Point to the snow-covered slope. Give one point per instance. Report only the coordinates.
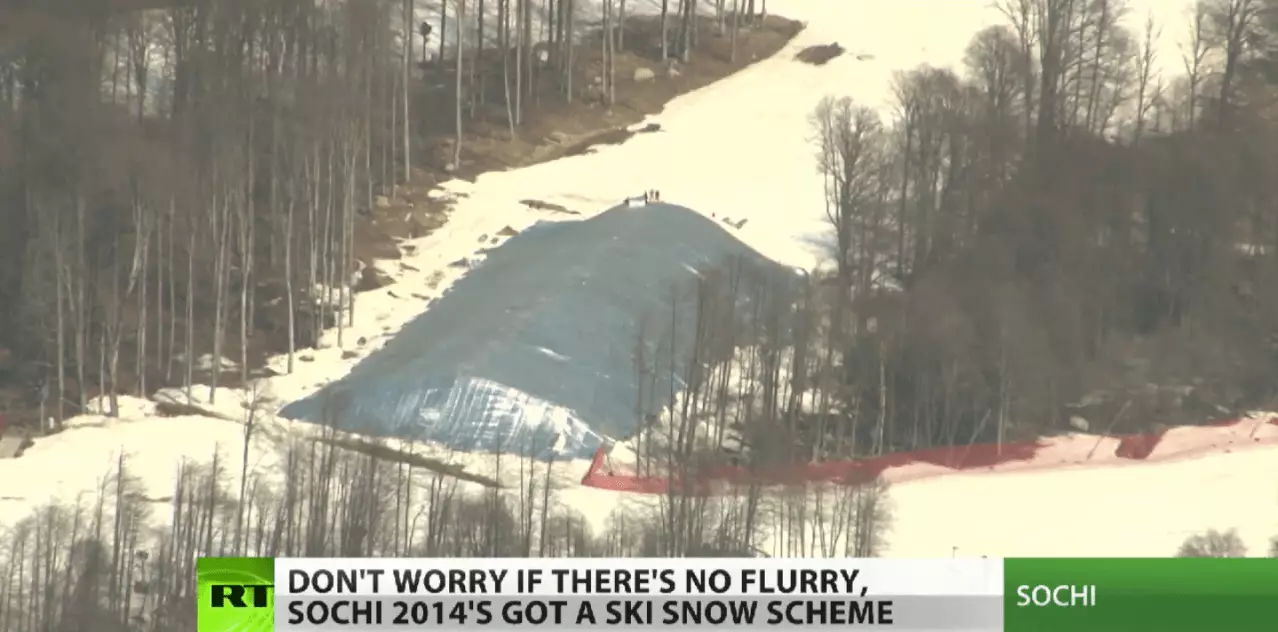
(738, 148)
(1144, 510)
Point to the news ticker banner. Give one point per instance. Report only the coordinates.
(986, 595)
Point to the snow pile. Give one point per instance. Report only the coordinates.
(535, 351)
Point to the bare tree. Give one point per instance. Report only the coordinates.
(608, 72)
(457, 144)
(406, 82)
(1233, 26)
(1148, 80)
(1213, 544)
(1020, 14)
(1053, 26)
(850, 153)
(1194, 56)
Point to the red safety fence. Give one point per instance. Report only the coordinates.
(1064, 451)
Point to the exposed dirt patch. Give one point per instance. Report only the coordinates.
(615, 136)
(179, 409)
(538, 205)
(821, 54)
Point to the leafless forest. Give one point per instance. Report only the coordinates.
(181, 180)
(1055, 235)
(1213, 543)
(1059, 235)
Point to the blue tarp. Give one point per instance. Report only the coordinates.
(537, 350)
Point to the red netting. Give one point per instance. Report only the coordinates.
(944, 460)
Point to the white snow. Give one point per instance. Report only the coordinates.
(1143, 509)
(553, 354)
(740, 147)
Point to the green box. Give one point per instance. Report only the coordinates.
(236, 594)
(1136, 594)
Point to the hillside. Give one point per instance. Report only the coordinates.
(1053, 260)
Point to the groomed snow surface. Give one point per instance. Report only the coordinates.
(738, 148)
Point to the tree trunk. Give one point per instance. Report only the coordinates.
(62, 274)
(189, 352)
(81, 300)
(665, 22)
(477, 64)
(570, 63)
(406, 76)
(443, 30)
(621, 26)
(736, 28)
(605, 42)
(291, 309)
(519, 61)
(503, 38)
(457, 146)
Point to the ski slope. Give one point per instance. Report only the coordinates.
(1144, 510)
(738, 148)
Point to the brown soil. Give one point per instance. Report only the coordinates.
(553, 127)
(820, 55)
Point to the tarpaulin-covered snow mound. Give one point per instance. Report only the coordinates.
(534, 352)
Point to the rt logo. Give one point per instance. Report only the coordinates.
(238, 596)
(235, 594)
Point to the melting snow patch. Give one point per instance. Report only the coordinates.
(205, 363)
(557, 356)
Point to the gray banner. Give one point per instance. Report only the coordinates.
(907, 613)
